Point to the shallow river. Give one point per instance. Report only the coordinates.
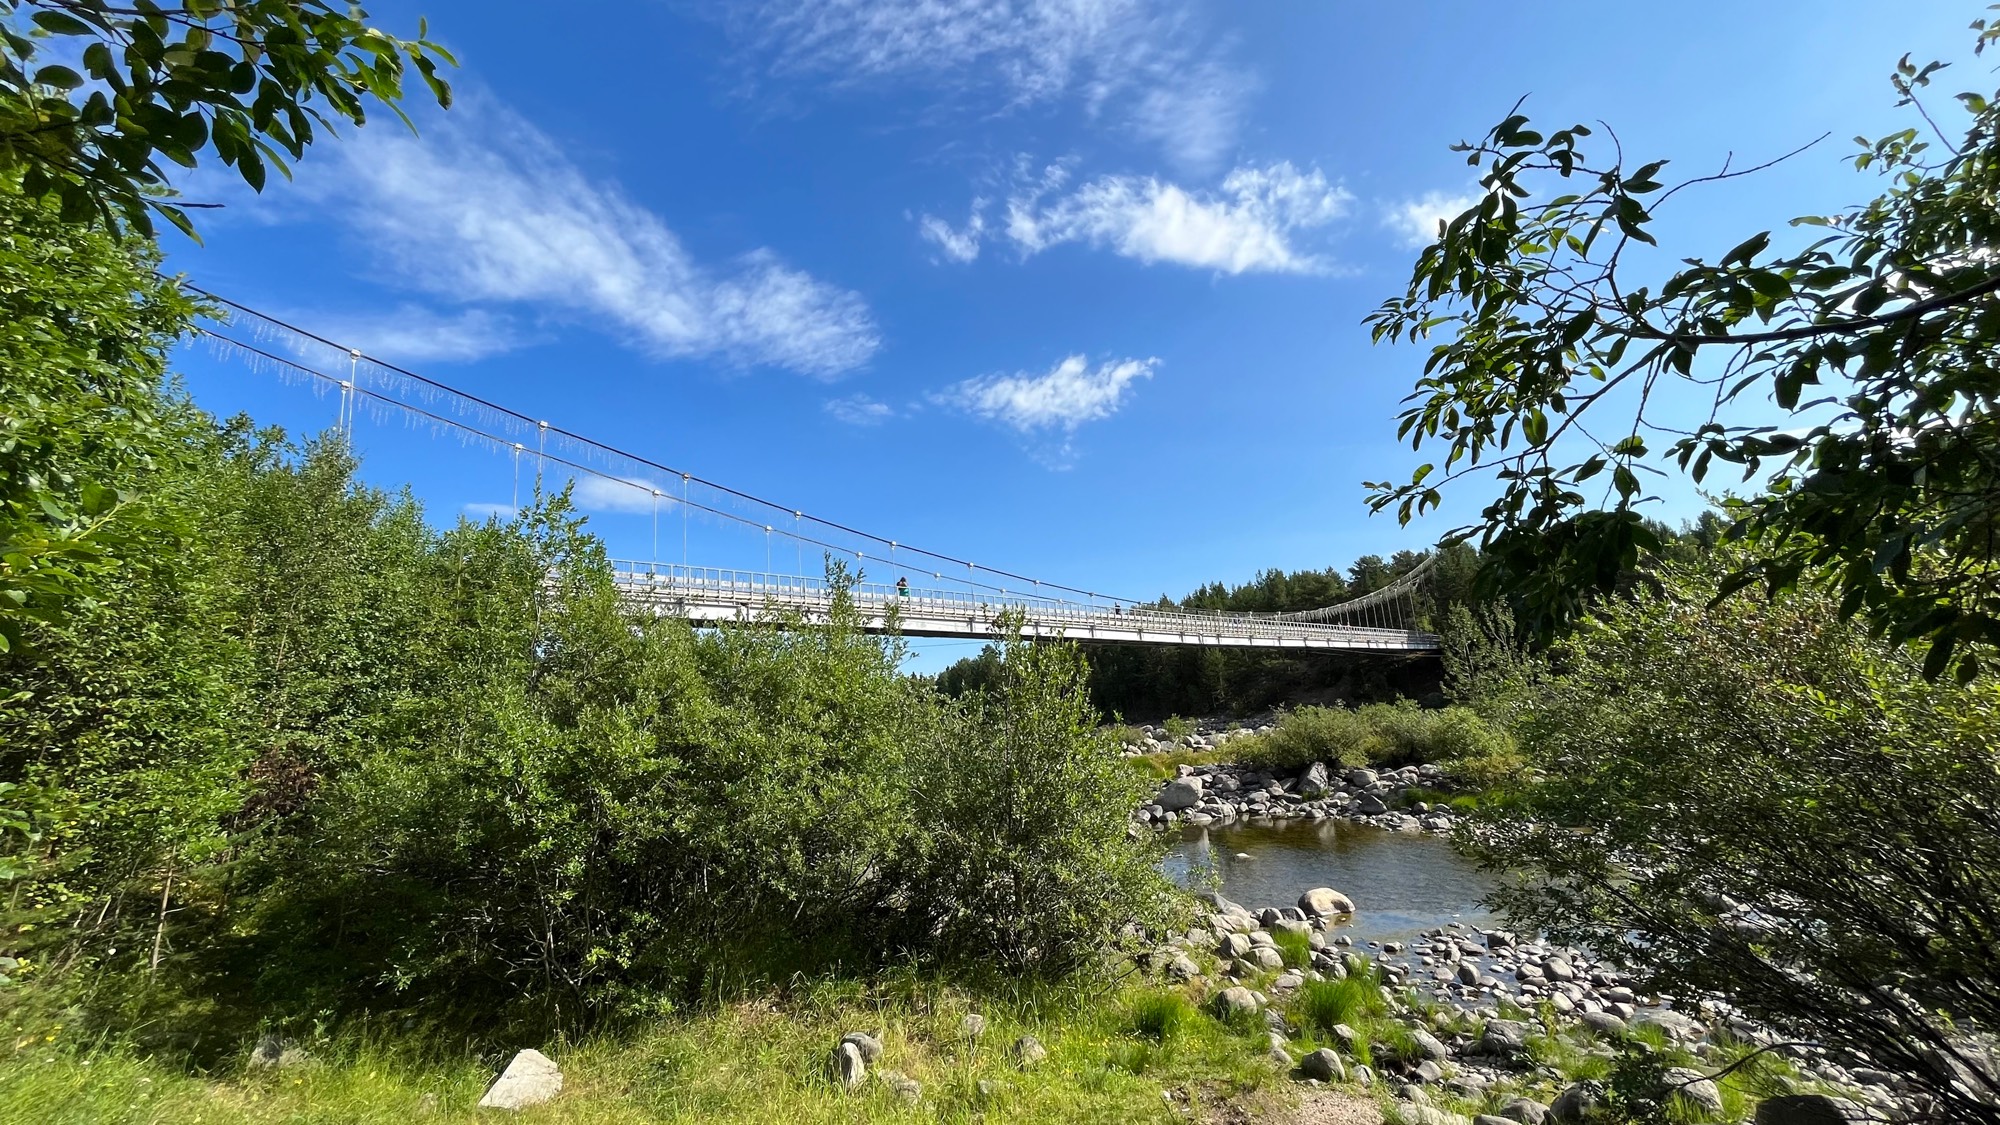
(1401, 883)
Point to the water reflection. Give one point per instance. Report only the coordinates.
(1402, 883)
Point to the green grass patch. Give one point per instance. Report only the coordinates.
(1354, 1000)
(1165, 766)
(1110, 1055)
(1296, 949)
(1161, 1015)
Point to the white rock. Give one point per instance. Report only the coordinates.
(530, 1079)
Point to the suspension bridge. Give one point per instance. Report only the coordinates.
(713, 596)
(933, 595)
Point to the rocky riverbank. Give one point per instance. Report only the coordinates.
(1486, 1016)
(1202, 795)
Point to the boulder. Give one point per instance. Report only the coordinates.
(1583, 1102)
(1183, 793)
(1527, 1111)
(1313, 781)
(1231, 1003)
(1693, 1088)
(1603, 1023)
(1361, 778)
(531, 1078)
(846, 1066)
(1325, 902)
(1234, 945)
(1324, 1065)
(1504, 1038)
(972, 1026)
(1429, 1047)
(1676, 1025)
(1428, 1072)
(870, 1046)
(1266, 957)
(1810, 1109)
(1028, 1050)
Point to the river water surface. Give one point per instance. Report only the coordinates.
(1402, 883)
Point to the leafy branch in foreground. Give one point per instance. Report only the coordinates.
(1881, 481)
(249, 80)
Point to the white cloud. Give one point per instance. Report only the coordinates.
(1417, 219)
(1249, 225)
(491, 511)
(413, 334)
(1144, 66)
(630, 495)
(960, 244)
(484, 209)
(1064, 397)
(860, 410)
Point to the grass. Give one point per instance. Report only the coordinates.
(1110, 1055)
(1161, 1015)
(1356, 999)
(1296, 949)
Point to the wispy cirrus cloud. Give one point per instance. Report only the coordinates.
(960, 244)
(1417, 220)
(486, 210)
(627, 495)
(414, 334)
(1251, 223)
(859, 410)
(1151, 68)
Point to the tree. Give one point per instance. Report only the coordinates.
(1750, 799)
(249, 81)
(1563, 361)
(88, 323)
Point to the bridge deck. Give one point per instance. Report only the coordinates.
(709, 595)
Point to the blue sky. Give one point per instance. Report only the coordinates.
(1071, 287)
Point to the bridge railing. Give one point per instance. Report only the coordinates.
(755, 589)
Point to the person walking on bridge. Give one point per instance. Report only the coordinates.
(903, 586)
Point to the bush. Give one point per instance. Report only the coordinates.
(1762, 802)
(1388, 735)
(1308, 735)
(1021, 855)
(335, 761)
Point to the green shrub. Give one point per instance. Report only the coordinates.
(1177, 728)
(1389, 735)
(1772, 805)
(1161, 1015)
(1308, 735)
(1020, 855)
